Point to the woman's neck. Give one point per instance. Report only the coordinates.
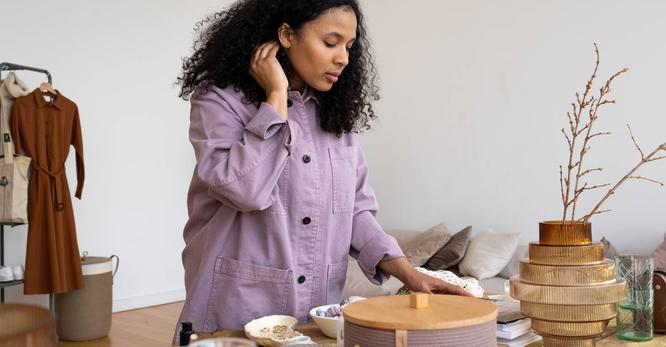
(296, 83)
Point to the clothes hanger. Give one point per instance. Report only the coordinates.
(46, 87)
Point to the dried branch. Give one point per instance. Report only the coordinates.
(592, 117)
(647, 179)
(566, 137)
(562, 186)
(574, 124)
(586, 218)
(590, 170)
(635, 143)
(595, 187)
(600, 134)
(611, 191)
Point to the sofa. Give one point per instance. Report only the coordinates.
(420, 247)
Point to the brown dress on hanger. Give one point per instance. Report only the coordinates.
(44, 130)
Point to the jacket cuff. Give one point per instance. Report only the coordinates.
(292, 136)
(382, 247)
(266, 122)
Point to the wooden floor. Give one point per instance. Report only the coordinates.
(152, 326)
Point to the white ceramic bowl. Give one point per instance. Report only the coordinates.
(260, 330)
(327, 325)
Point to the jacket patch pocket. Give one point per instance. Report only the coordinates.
(335, 281)
(343, 169)
(243, 291)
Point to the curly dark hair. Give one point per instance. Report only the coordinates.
(227, 39)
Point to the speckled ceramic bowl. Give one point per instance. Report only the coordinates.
(274, 330)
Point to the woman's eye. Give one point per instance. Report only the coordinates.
(328, 44)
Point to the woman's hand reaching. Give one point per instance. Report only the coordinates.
(427, 284)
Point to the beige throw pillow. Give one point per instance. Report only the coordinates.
(488, 254)
(420, 249)
(452, 252)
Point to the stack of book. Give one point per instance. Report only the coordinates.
(513, 328)
(516, 334)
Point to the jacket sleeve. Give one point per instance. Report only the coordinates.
(240, 163)
(369, 244)
(77, 142)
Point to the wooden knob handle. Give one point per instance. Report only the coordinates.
(418, 300)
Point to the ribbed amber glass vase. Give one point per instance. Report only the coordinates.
(566, 286)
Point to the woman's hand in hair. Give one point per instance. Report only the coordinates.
(267, 71)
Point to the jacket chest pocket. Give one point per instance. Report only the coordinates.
(343, 169)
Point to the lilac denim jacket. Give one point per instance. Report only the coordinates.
(274, 209)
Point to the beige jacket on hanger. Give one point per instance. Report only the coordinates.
(10, 88)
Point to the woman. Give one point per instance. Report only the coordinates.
(280, 194)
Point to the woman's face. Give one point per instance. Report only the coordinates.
(320, 50)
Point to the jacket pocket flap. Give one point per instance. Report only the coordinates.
(248, 271)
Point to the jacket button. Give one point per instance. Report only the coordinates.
(306, 159)
(289, 102)
(307, 220)
(301, 279)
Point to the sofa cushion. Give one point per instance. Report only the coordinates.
(452, 253)
(421, 248)
(488, 254)
(610, 251)
(493, 285)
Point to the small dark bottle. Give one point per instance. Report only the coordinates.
(185, 333)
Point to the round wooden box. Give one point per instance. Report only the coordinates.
(420, 320)
(23, 325)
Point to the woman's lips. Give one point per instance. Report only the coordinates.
(331, 77)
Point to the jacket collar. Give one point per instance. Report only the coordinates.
(58, 101)
(14, 86)
(308, 93)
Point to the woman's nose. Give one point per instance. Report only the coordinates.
(342, 57)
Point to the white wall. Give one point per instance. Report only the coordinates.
(474, 97)
(474, 94)
(118, 61)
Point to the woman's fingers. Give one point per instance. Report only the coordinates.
(274, 49)
(266, 49)
(258, 52)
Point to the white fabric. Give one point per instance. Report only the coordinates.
(488, 254)
(469, 284)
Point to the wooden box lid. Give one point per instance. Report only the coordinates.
(442, 312)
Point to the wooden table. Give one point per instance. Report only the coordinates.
(310, 329)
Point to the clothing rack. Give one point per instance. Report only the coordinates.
(14, 67)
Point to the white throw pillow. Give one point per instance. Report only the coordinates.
(488, 254)
(513, 267)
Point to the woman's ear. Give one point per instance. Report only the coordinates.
(285, 35)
